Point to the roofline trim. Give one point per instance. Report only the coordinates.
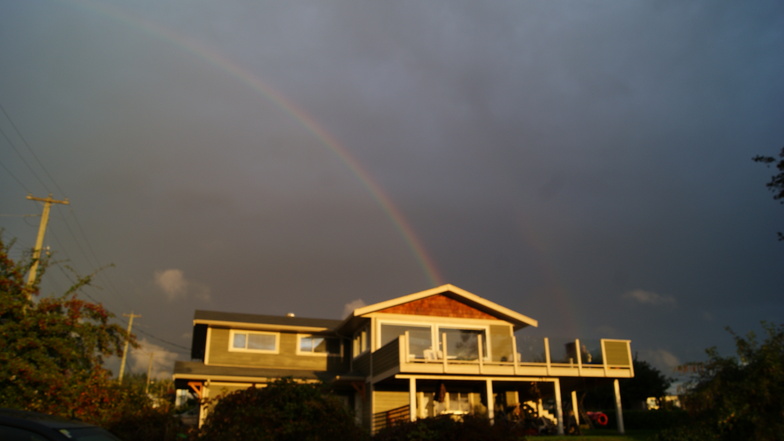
(260, 326)
(242, 379)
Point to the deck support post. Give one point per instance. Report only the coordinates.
(558, 405)
(490, 400)
(412, 406)
(618, 407)
(575, 411)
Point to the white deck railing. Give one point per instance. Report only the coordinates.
(616, 361)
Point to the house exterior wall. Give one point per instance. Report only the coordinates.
(218, 389)
(219, 353)
(383, 403)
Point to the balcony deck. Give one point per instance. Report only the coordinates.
(396, 358)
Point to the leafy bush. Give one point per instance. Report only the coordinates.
(446, 428)
(650, 419)
(688, 432)
(147, 424)
(282, 411)
(740, 397)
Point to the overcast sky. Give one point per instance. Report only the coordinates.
(586, 163)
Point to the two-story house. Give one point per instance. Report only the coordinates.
(439, 351)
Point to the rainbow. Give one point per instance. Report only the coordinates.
(303, 118)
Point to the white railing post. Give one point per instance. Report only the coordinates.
(403, 343)
(578, 353)
(443, 350)
(514, 354)
(481, 353)
(547, 354)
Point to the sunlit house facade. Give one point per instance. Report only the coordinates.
(435, 352)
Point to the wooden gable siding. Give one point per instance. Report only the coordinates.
(438, 306)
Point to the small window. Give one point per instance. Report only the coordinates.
(254, 341)
(310, 344)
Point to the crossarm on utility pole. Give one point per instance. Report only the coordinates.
(39, 242)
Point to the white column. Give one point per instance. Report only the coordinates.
(618, 409)
(412, 406)
(558, 405)
(490, 400)
(574, 408)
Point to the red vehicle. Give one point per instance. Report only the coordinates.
(598, 418)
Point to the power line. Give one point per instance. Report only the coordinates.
(178, 346)
(80, 238)
(32, 152)
(27, 164)
(89, 253)
(10, 173)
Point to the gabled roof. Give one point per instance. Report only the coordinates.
(493, 309)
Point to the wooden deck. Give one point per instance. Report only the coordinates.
(395, 358)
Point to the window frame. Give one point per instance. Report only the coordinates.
(326, 352)
(435, 330)
(248, 333)
(360, 344)
(485, 330)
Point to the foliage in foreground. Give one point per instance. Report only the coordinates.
(739, 397)
(776, 183)
(52, 349)
(282, 411)
(51, 356)
(446, 428)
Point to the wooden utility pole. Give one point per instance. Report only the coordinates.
(149, 372)
(41, 232)
(127, 340)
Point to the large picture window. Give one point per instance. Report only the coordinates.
(463, 344)
(420, 337)
(254, 341)
(427, 340)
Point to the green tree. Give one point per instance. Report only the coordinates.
(282, 411)
(741, 397)
(52, 348)
(648, 381)
(776, 183)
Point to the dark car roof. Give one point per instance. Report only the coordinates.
(42, 419)
(41, 423)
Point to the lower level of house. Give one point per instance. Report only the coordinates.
(542, 402)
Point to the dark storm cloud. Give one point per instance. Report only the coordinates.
(585, 161)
